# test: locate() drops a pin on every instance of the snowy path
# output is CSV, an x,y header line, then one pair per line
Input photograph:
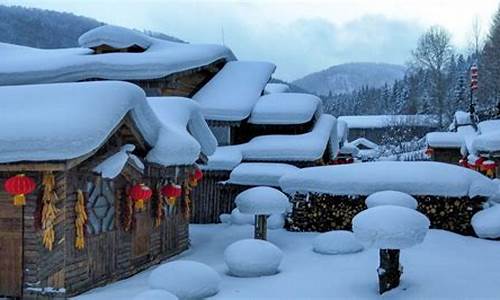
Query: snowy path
x,y
445,266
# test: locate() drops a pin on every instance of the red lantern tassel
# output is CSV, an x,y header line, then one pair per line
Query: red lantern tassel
x,y
139,205
19,200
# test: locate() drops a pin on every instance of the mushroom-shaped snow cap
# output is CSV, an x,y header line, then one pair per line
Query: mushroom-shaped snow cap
x,y
262,200
390,227
113,36
391,198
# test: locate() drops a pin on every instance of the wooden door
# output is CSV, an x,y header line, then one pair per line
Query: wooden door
x,y
10,247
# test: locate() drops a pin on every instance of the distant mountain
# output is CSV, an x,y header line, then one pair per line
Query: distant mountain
x,y
346,78
42,28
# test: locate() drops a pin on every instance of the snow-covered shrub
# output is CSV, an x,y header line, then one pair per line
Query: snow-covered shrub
x,y
486,223
155,295
237,218
391,198
252,258
186,279
336,242
274,221
262,200
390,227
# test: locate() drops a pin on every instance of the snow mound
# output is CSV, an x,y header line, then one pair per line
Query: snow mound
x,y
444,139
185,279
414,178
274,221
336,242
114,36
391,198
225,158
155,295
272,88
262,200
252,258
486,223
390,227
260,173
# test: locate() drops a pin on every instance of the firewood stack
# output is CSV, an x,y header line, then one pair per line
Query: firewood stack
x,y
323,212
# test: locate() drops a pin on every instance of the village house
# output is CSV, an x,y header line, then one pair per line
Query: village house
x,y
95,183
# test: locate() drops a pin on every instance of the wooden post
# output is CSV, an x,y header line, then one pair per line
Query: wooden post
x,y
389,271
260,227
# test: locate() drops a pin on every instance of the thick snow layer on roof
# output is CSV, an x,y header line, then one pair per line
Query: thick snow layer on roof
x,y
489,126
114,36
414,178
391,198
185,125
285,108
25,65
260,173
382,121
486,223
364,142
444,139
225,158
262,200
112,166
489,142
390,227
301,147
342,130
64,121
349,148
232,93
272,88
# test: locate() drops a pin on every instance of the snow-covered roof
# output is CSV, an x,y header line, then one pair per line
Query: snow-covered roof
x,y
114,36
232,93
489,142
349,148
489,126
184,125
364,142
272,88
444,140
300,147
383,121
26,65
225,158
414,178
342,130
55,122
260,173
285,108
112,166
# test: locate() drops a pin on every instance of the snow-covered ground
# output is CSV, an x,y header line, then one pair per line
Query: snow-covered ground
x,y
444,266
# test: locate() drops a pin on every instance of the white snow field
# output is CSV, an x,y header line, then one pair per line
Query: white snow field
x,y
444,266
252,258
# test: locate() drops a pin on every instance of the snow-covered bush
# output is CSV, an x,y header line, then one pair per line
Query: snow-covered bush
x,y
155,295
390,228
185,279
275,221
336,242
252,258
486,223
391,198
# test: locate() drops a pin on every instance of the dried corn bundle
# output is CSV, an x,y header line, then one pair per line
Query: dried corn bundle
x,y
80,221
49,210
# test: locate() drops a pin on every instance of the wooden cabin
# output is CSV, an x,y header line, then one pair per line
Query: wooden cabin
x,y
82,226
327,198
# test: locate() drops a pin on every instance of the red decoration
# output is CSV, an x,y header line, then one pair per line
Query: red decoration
x,y
489,167
172,192
463,162
196,177
140,193
19,186
474,76
429,151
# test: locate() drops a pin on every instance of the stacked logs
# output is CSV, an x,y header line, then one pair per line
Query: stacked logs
x,y
323,212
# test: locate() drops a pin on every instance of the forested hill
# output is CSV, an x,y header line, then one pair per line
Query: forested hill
x,y
47,29
346,78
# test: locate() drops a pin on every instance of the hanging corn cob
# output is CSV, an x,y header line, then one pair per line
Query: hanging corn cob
x,y
128,213
160,211
187,199
49,210
81,220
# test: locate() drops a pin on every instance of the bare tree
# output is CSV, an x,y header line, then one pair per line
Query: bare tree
x,y
433,53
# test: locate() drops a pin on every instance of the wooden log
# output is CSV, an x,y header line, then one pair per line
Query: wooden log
x,y
260,227
389,271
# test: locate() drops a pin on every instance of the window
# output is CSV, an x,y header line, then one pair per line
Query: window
x,y
100,206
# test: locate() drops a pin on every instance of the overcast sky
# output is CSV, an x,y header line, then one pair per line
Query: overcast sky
x,y
300,36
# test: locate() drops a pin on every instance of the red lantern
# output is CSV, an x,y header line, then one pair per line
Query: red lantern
x,y
489,167
196,177
140,193
478,164
19,186
172,192
429,152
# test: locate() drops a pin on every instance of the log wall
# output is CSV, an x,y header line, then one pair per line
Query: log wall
x,y
446,155
323,212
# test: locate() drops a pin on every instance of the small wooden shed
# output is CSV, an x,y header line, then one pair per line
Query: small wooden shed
x,y
84,153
